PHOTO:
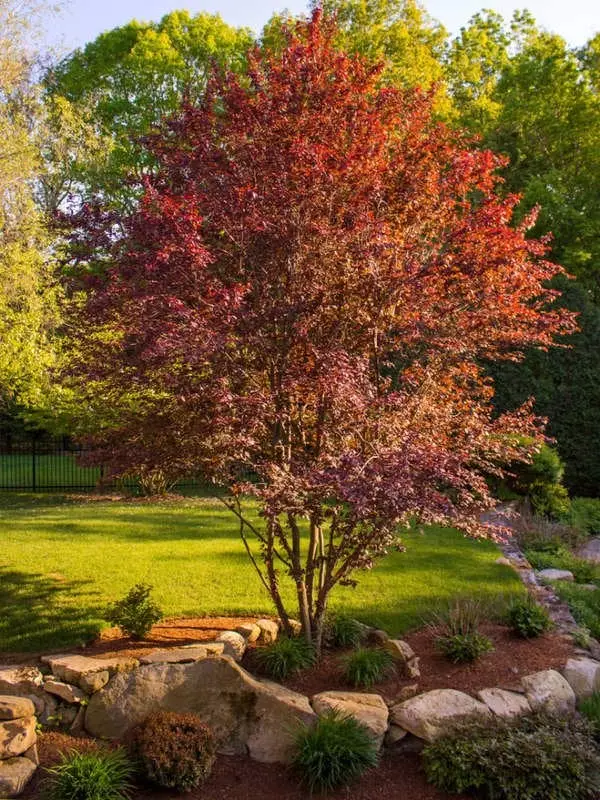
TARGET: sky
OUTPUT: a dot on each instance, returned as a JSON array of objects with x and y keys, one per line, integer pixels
[{"x": 82, "y": 20}]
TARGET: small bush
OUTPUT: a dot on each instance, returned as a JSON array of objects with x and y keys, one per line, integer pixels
[
  {"x": 285, "y": 656},
  {"x": 335, "y": 751},
  {"x": 537, "y": 757},
  {"x": 537, "y": 533},
  {"x": 367, "y": 666},
  {"x": 136, "y": 613},
  {"x": 549, "y": 500},
  {"x": 527, "y": 618},
  {"x": 583, "y": 604},
  {"x": 461, "y": 648},
  {"x": 343, "y": 631},
  {"x": 462, "y": 617},
  {"x": 176, "y": 751},
  {"x": 100, "y": 775}
]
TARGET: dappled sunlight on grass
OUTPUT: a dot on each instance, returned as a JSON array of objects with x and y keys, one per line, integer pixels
[{"x": 191, "y": 553}]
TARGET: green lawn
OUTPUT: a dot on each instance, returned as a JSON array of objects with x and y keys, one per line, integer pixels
[{"x": 62, "y": 561}]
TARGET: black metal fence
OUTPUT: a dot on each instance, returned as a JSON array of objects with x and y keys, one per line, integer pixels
[{"x": 45, "y": 463}]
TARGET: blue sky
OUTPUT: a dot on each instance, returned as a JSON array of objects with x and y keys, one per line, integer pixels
[{"x": 82, "y": 20}]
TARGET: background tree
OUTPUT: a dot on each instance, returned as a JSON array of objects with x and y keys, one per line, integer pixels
[
  {"x": 256, "y": 320},
  {"x": 120, "y": 86},
  {"x": 27, "y": 291}
]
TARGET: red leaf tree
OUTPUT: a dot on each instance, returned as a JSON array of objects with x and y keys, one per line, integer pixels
[{"x": 304, "y": 296}]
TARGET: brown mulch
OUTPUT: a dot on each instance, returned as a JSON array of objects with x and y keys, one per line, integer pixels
[
  {"x": 239, "y": 778},
  {"x": 398, "y": 775}
]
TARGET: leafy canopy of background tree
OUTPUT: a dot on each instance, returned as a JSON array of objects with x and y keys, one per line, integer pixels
[
  {"x": 126, "y": 80},
  {"x": 27, "y": 295},
  {"x": 256, "y": 319}
]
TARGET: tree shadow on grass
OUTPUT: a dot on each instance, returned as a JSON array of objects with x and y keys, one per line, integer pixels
[{"x": 41, "y": 612}]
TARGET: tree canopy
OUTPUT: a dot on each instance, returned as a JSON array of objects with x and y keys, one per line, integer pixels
[{"x": 324, "y": 343}]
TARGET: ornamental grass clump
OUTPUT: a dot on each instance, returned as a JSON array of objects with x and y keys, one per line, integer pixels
[
  {"x": 333, "y": 752},
  {"x": 367, "y": 666},
  {"x": 175, "y": 751},
  {"x": 284, "y": 656},
  {"x": 457, "y": 631},
  {"x": 94, "y": 775},
  {"x": 344, "y": 631}
]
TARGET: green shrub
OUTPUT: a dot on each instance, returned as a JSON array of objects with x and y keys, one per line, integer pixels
[
  {"x": 176, "y": 751},
  {"x": 335, "y": 751},
  {"x": 585, "y": 514},
  {"x": 583, "y": 571},
  {"x": 285, "y": 656},
  {"x": 527, "y": 618},
  {"x": 536, "y": 757},
  {"x": 549, "y": 499},
  {"x": 464, "y": 647},
  {"x": 583, "y": 604},
  {"x": 343, "y": 631},
  {"x": 136, "y": 613},
  {"x": 100, "y": 775},
  {"x": 367, "y": 666},
  {"x": 590, "y": 708}
]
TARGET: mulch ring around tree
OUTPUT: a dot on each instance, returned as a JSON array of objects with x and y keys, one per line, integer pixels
[{"x": 398, "y": 775}]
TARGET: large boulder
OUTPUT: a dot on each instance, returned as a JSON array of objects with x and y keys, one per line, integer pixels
[
  {"x": 27, "y": 681},
  {"x": 15, "y": 774},
  {"x": 504, "y": 703},
  {"x": 269, "y": 630},
  {"x": 549, "y": 691},
  {"x": 16, "y": 736},
  {"x": 368, "y": 709},
  {"x": 246, "y": 715},
  {"x": 583, "y": 676},
  {"x": 546, "y": 575},
  {"x": 234, "y": 644},
  {"x": 590, "y": 550},
  {"x": 431, "y": 714},
  {"x": 15, "y": 707}
]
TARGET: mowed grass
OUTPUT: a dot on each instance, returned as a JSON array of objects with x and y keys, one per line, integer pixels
[{"x": 63, "y": 560}]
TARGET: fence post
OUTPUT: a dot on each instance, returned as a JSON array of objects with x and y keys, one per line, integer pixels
[{"x": 33, "y": 475}]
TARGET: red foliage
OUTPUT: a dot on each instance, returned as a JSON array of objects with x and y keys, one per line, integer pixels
[{"x": 312, "y": 278}]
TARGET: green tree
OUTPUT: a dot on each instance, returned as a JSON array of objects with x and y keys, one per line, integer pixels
[
  {"x": 27, "y": 293},
  {"x": 122, "y": 84}
]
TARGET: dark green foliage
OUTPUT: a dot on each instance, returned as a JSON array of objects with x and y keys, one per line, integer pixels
[
  {"x": 566, "y": 385},
  {"x": 464, "y": 647},
  {"x": 367, "y": 666},
  {"x": 583, "y": 571},
  {"x": 343, "y": 631},
  {"x": 136, "y": 613},
  {"x": 537, "y": 757},
  {"x": 335, "y": 751},
  {"x": 585, "y": 514},
  {"x": 285, "y": 656},
  {"x": 527, "y": 618},
  {"x": 101, "y": 775},
  {"x": 549, "y": 500},
  {"x": 176, "y": 751}
]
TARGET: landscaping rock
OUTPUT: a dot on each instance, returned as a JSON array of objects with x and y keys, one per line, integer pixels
[
  {"x": 411, "y": 668},
  {"x": 15, "y": 774},
  {"x": 504, "y": 703},
  {"x": 16, "y": 736},
  {"x": 549, "y": 691},
  {"x": 67, "y": 692},
  {"x": 15, "y": 707},
  {"x": 368, "y": 709},
  {"x": 234, "y": 644},
  {"x": 583, "y": 676},
  {"x": 246, "y": 715},
  {"x": 394, "y": 735},
  {"x": 250, "y": 632},
  {"x": 555, "y": 575},
  {"x": 590, "y": 550},
  {"x": 183, "y": 655},
  {"x": 430, "y": 714},
  {"x": 504, "y": 561},
  {"x": 400, "y": 650},
  {"x": 269, "y": 631},
  {"x": 83, "y": 671},
  {"x": 405, "y": 693},
  {"x": 377, "y": 636},
  {"x": 27, "y": 681}
]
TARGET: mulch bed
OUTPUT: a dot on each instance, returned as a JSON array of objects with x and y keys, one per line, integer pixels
[{"x": 398, "y": 775}]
